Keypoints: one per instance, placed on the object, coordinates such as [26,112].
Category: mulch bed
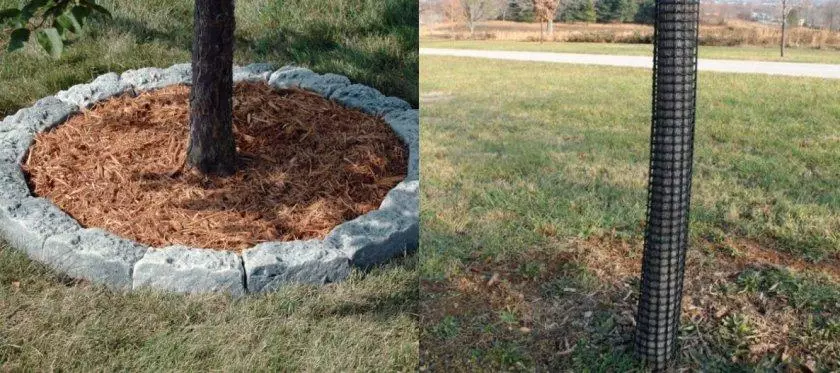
[307,164]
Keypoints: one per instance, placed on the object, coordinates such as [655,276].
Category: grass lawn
[368,323]
[371,41]
[712,52]
[533,211]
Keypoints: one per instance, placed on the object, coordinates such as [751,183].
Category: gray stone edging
[47,234]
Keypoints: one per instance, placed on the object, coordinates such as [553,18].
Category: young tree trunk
[542,31]
[551,28]
[784,26]
[212,149]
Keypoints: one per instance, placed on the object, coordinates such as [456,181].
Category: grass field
[366,324]
[370,41]
[751,53]
[533,218]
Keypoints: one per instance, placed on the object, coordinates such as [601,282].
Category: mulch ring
[307,164]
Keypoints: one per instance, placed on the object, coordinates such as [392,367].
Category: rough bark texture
[212,149]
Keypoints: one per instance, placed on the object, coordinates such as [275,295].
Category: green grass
[523,159]
[48,322]
[370,41]
[365,324]
[711,52]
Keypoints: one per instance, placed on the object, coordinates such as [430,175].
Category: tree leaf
[68,22]
[80,13]
[7,14]
[50,40]
[19,36]
[98,8]
[29,10]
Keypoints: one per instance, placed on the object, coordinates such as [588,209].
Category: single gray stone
[375,237]
[368,100]
[94,255]
[149,78]
[406,124]
[26,224]
[289,77]
[103,87]
[413,162]
[270,265]
[189,270]
[403,199]
[13,186]
[258,72]
[326,84]
[44,115]
[14,145]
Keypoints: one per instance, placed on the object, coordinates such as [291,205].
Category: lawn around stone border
[48,235]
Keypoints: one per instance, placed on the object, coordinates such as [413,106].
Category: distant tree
[579,11]
[616,10]
[475,11]
[787,7]
[831,14]
[544,12]
[646,13]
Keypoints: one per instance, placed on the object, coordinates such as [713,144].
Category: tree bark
[212,149]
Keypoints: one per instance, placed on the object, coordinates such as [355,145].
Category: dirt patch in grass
[572,306]
[306,165]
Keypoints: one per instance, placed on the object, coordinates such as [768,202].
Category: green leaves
[50,40]
[52,21]
[18,37]
[7,14]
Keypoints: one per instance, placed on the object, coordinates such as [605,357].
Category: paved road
[730,66]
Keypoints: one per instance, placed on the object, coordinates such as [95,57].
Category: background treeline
[602,11]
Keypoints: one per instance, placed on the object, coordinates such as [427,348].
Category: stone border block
[94,255]
[375,237]
[103,87]
[149,78]
[289,77]
[258,72]
[403,199]
[13,187]
[28,223]
[183,269]
[49,235]
[270,265]
[45,114]
[14,145]
[368,100]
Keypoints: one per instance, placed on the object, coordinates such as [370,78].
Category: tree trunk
[551,28]
[212,149]
[784,26]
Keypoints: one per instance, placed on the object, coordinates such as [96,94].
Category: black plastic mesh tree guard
[669,188]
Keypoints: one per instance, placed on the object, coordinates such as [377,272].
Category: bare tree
[475,11]
[831,14]
[787,7]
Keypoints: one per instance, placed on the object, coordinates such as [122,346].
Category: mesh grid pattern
[669,188]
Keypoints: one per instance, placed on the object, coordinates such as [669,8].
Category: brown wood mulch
[306,165]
